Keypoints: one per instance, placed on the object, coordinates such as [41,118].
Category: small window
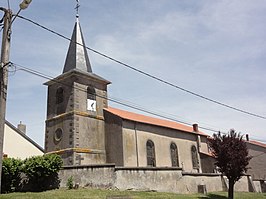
[174,155]
[91,93]
[58,135]
[91,99]
[59,95]
[195,159]
[150,154]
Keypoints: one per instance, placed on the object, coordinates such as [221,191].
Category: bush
[42,172]
[37,173]
[11,171]
[70,183]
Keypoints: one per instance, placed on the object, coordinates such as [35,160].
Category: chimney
[195,128]
[247,137]
[22,127]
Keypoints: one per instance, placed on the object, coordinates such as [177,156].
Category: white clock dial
[91,105]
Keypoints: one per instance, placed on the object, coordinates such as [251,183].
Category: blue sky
[214,48]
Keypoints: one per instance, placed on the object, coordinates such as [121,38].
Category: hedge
[38,173]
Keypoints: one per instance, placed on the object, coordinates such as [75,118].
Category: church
[105,146]
[85,130]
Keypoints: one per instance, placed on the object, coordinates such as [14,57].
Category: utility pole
[4,78]
[5,52]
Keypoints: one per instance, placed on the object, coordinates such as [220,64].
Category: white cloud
[215,48]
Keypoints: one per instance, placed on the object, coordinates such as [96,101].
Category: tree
[231,155]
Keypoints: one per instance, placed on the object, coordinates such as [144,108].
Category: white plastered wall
[16,146]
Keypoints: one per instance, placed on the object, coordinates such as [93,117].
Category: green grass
[108,194]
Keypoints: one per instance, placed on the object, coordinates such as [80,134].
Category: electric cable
[117,101]
[8,4]
[147,74]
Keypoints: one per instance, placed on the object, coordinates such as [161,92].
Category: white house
[18,145]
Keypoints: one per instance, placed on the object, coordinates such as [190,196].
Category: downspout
[136,138]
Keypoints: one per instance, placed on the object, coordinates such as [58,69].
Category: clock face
[91,105]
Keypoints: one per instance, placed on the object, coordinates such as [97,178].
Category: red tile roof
[257,143]
[207,154]
[151,120]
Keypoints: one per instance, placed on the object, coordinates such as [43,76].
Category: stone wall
[190,182]
[148,179]
[260,186]
[113,139]
[100,176]
[258,162]
[164,179]
[135,137]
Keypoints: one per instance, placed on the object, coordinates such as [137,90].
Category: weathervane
[77,8]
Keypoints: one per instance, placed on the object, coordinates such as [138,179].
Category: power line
[37,73]
[147,74]
[8,4]
[117,101]
[1,23]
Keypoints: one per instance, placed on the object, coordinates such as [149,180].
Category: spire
[77,56]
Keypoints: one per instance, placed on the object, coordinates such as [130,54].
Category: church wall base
[257,185]
[98,176]
[146,179]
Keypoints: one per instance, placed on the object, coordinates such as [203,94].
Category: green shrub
[37,173]
[11,172]
[70,183]
[42,172]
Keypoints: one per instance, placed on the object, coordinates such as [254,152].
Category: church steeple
[77,56]
[75,108]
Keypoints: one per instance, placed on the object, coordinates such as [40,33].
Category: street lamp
[24,4]
[5,52]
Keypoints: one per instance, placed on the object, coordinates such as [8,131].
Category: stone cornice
[79,113]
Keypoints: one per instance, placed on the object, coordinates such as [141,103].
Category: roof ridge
[152,120]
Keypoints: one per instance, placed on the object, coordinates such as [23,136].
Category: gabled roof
[77,55]
[24,135]
[126,115]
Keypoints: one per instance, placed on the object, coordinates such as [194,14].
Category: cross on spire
[77,56]
[77,8]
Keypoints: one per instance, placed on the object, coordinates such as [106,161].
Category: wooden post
[4,78]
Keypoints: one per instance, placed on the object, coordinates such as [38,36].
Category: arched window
[59,95]
[91,99]
[195,159]
[150,154]
[91,93]
[174,155]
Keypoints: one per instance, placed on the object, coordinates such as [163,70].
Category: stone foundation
[163,179]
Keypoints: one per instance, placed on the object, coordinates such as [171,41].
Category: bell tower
[76,98]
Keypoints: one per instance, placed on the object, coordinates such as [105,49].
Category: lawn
[111,194]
